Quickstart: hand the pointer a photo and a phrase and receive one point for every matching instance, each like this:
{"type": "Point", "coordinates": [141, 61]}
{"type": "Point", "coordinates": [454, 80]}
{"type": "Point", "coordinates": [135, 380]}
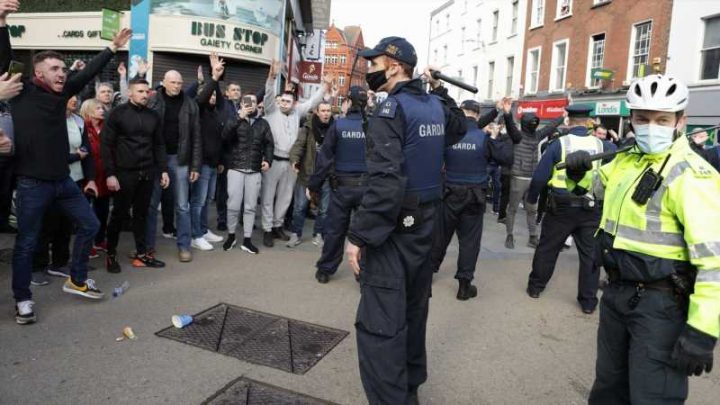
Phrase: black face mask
{"type": "Point", "coordinates": [375, 80]}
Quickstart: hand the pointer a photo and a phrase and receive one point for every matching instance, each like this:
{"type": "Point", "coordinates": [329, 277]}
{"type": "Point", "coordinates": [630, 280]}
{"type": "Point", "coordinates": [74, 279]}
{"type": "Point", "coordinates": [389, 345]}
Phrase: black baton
{"type": "Point", "coordinates": [439, 76]}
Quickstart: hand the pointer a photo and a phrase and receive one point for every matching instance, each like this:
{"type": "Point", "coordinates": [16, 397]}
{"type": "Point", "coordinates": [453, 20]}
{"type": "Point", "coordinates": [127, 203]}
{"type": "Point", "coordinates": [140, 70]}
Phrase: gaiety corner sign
{"type": "Point", "coordinates": [228, 38]}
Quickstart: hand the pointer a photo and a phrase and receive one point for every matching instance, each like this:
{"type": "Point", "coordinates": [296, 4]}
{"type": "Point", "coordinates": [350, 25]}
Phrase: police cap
{"type": "Point", "coordinates": [471, 105]}
{"type": "Point", "coordinates": [579, 110]}
{"type": "Point", "coordinates": [395, 47]}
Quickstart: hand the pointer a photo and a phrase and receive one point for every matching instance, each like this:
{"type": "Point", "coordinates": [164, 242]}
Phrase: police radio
{"type": "Point", "coordinates": [649, 183]}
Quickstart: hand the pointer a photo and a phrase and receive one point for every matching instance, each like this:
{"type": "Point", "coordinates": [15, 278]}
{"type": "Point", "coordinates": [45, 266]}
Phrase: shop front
{"type": "Point", "coordinates": [547, 110]}
{"type": "Point", "coordinates": [613, 114]}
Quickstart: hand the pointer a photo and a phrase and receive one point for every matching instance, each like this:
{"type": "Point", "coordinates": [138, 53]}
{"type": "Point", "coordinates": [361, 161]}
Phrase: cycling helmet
{"type": "Point", "coordinates": [658, 93]}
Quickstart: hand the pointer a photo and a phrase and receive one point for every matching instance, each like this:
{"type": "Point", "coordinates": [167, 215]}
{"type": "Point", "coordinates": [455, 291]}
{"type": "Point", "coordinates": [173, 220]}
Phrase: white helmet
{"type": "Point", "coordinates": [658, 93]}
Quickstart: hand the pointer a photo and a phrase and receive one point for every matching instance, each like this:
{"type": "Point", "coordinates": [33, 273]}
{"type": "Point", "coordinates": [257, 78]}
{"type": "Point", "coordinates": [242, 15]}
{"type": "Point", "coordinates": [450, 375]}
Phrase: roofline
{"type": "Point", "coordinates": [441, 8]}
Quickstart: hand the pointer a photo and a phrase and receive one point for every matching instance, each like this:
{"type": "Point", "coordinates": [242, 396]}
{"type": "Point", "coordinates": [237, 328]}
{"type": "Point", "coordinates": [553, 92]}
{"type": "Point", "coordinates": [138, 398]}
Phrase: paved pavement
{"type": "Point", "coordinates": [500, 348]}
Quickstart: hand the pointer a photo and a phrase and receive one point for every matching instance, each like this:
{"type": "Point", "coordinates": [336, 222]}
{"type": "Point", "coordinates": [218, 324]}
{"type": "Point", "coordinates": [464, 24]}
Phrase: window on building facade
{"type": "Point", "coordinates": [514, 22]}
{"type": "Point", "coordinates": [334, 59]}
{"type": "Point", "coordinates": [641, 49]}
{"type": "Point", "coordinates": [462, 39]}
{"type": "Point", "coordinates": [491, 80]}
{"type": "Point", "coordinates": [445, 53]}
{"type": "Point", "coordinates": [559, 65]}
{"type": "Point", "coordinates": [343, 60]}
{"type": "Point", "coordinates": [509, 75]}
{"type": "Point", "coordinates": [564, 8]}
{"type": "Point", "coordinates": [533, 70]}
{"type": "Point", "coordinates": [447, 21]}
{"type": "Point", "coordinates": [437, 26]}
{"type": "Point", "coordinates": [596, 2]}
{"type": "Point", "coordinates": [496, 19]}
{"type": "Point", "coordinates": [435, 56]}
{"type": "Point", "coordinates": [341, 80]}
{"type": "Point", "coordinates": [537, 13]}
{"type": "Point", "coordinates": [327, 59]}
{"type": "Point", "coordinates": [711, 50]}
{"type": "Point", "coordinates": [340, 100]}
{"type": "Point", "coordinates": [478, 34]}
{"type": "Point", "coordinates": [597, 56]}
{"type": "Point", "coordinates": [475, 75]}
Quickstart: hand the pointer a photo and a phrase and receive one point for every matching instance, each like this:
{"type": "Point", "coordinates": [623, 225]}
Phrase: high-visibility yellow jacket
{"type": "Point", "coordinates": [573, 143]}
{"type": "Point", "coordinates": [681, 221]}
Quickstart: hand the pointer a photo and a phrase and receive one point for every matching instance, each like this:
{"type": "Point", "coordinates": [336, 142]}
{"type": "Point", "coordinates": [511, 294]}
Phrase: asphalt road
{"type": "Point", "coordinates": [500, 348]}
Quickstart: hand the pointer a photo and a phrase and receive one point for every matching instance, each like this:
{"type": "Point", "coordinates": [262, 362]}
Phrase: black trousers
{"type": "Point", "coordinates": [556, 227]}
{"type": "Point", "coordinates": [461, 211]}
{"type": "Point", "coordinates": [392, 314]}
{"type": "Point", "coordinates": [505, 178]}
{"type": "Point", "coordinates": [136, 188]}
{"type": "Point", "coordinates": [56, 232]}
{"type": "Point", "coordinates": [633, 349]}
{"type": "Point", "coordinates": [101, 206]}
{"type": "Point", "coordinates": [343, 201]}
{"type": "Point", "coordinates": [221, 197]}
{"type": "Point", "coordinates": [167, 205]}
{"type": "Point", "coordinates": [6, 190]}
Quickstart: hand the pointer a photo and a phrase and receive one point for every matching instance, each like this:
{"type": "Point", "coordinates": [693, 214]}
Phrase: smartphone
{"type": "Point", "coordinates": [16, 67]}
{"type": "Point", "coordinates": [247, 101]}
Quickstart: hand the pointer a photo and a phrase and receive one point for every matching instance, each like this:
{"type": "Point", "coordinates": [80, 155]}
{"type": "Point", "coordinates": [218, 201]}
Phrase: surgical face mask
{"type": "Point", "coordinates": [375, 80]}
{"type": "Point", "coordinates": [653, 138]}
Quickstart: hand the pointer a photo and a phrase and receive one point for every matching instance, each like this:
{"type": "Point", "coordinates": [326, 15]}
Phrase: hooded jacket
{"type": "Point", "coordinates": [526, 140]}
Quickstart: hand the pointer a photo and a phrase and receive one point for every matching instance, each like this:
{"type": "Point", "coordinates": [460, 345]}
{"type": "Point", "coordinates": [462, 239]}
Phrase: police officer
{"type": "Point", "coordinates": [463, 205]}
{"type": "Point", "coordinates": [342, 158]}
{"type": "Point", "coordinates": [406, 137]}
{"type": "Point", "coordinates": [659, 317]}
{"type": "Point", "coordinates": [572, 210]}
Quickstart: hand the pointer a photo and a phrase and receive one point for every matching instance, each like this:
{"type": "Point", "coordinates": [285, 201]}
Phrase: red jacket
{"type": "Point", "coordinates": [94, 138]}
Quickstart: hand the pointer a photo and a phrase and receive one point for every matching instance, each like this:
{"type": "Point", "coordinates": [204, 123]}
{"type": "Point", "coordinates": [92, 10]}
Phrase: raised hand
{"type": "Point", "coordinates": [217, 65]}
{"type": "Point", "coordinates": [10, 86]}
{"type": "Point", "coordinates": [200, 75]}
{"type": "Point", "coordinates": [121, 38]}
{"type": "Point", "coordinates": [8, 6]}
{"type": "Point", "coordinates": [77, 65]}
{"type": "Point", "coordinates": [122, 71]}
{"type": "Point", "coordinates": [143, 68]}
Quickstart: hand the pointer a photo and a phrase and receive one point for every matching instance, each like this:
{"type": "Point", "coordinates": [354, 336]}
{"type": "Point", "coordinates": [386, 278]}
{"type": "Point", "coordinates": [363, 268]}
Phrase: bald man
{"type": "Point", "coordinates": [181, 130]}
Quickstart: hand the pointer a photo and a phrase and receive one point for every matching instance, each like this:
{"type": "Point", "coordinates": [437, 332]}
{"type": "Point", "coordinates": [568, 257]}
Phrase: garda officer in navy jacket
{"type": "Point", "coordinates": [406, 138]}
{"type": "Point", "coordinates": [342, 158]}
{"type": "Point", "coordinates": [463, 206]}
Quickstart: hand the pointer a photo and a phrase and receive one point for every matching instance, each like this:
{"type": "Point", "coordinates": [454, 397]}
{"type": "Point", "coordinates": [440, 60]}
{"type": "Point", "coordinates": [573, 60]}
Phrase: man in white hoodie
{"type": "Point", "coordinates": [279, 181]}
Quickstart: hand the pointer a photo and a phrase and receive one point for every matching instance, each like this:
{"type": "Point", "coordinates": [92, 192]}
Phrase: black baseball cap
{"type": "Point", "coordinates": [395, 47]}
{"type": "Point", "coordinates": [357, 94]}
{"type": "Point", "coordinates": [579, 110]}
{"type": "Point", "coordinates": [470, 105]}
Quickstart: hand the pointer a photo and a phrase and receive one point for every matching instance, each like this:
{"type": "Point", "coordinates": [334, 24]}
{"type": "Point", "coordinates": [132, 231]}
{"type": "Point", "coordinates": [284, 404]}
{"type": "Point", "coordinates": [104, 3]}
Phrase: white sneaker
{"type": "Point", "coordinates": [211, 237]}
{"type": "Point", "coordinates": [294, 240]}
{"type": "Point", "coordinates": [318, 240]}
{"type": "Point", "coordinates": [569, 242]}
{"type": "Point", "coordinates": [24, 312]}
{"type": "Point", "coordinates": [202, 244]}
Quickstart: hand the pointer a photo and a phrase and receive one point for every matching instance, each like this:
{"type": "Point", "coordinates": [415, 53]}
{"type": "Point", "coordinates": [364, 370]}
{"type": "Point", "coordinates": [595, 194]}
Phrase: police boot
{"type": "Point", "coordinates": [533, 241]}
{"type": "Point", "coordinates": [466, 290]}
{"type": "Point", "coordinates": [509, 242]}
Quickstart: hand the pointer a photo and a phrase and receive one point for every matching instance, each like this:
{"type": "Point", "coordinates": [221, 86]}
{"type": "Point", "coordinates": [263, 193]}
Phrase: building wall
{"type": "Point", "coordinates": [615, 18]}
{"type": "Point", "coordinates": [469, 51]}
{"type": "Point", "coordinates": [338, 69]}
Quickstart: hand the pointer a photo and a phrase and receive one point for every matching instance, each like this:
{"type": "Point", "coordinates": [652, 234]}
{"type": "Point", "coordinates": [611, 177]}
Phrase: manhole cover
{"type": "Point", "coordinates": [259, 338]}
{"type": "Point", "coordinates": [245, 391]}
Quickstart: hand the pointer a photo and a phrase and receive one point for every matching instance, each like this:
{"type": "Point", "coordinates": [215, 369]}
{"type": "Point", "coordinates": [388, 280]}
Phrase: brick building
{"type": "Point", "coordinates": [341, 49]}
{"type": "Point", "coordinates": [566, 39]}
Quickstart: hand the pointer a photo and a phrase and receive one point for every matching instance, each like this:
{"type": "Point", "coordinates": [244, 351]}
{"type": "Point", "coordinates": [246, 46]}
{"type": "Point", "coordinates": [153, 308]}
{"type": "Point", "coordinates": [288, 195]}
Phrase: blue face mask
{"type": "Point", "coordinates": [653, 138]}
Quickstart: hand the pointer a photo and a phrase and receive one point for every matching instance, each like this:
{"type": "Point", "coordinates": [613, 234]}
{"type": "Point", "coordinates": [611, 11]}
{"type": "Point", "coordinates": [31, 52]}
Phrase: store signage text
{"type": "Point", "coordinates": [80, 34]}
{"type": "Point", "coordinates": [220, 36]}
{"type": "Point", "coordinates": [16, 31]}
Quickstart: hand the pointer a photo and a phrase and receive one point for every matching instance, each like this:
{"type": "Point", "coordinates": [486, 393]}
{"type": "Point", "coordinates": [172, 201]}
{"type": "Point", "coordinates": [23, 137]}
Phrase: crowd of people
{"type": "Point", "coordinates": [95, 162]}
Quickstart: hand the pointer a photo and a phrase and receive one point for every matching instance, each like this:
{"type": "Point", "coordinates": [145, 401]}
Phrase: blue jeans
{"type": "Point", "coordinates": [494, 174]}
{"type": "Point", "coordinates": [200, 197]}
{"type": "Point", "coordinates": [300, 206]}
{"type": "Point", "coordinates": [180, 184]}
{"type": "Point", "coordinates": [34, 197]}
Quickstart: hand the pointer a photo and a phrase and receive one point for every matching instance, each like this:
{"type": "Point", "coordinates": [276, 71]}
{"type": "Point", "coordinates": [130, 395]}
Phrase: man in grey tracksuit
{"type": "Point", "coordinates": [279, 181]}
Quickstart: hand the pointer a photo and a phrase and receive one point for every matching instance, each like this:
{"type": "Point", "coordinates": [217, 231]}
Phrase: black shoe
{"type": "Point", "coordinates": [230, 242]}
{"type": "Point", "coordinates": [322, 277]}
{"type": "Point", "coordinates": [533, 241]}
{"type": "Point", "coordinates": [466, 290]}
{"type": "Point", "coordinates": [509, 242]}
{"type": "Point", "coordinates": [222, 227]}
{"type": "Point", "coordinates": [501, 220]}
{"type": "Point", "coordinates": [532, 293]}
{"type": "Point", "coordinates": [249, 247]}
{"type": "Point", "coordinates": [412, 398]}
{"type": "Point", "coordinates": [147, 260]}
{"type": "Point", "coordinates": [278, 233]}
{"type": "Point", "coordinates": [111, 264]}
{"type": "Point", "coordinates": [6, 228]}
{"type": "Point", "coordinates": [268, 239]}
{"type": "Point", "coordinates": [588, 311]}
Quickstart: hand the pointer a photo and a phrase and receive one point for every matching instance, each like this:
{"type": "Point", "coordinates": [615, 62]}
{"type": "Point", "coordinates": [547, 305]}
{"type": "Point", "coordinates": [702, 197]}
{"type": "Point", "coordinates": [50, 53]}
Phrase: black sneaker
{"type": "Point", "coordinates": [268, 239]}
{"type": "Point", "coordinates": [322, 277]}
{"type": "Point", "coordinates": [230, 242]}
{"type": "Point", "coordinates": [249, 247]}
{"type": "Point", "coordinates": [222, 227]}
{"type": "Point", "coordinates": [533, 241]}
{"type": "Point", "coordinates": [147, 260]}
{"type": "Point", "coordinates": [509, 242]}
{"type": "Point", "coordinates": [278, 233]}
{"type": "Point", "coordinates": [112, 265]}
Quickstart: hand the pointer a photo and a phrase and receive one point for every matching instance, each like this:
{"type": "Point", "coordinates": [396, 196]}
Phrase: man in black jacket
{"type": "Point", "coordinates": [249, 144]}
{"type": "Point", "coordinates": [43, 175]}
{"type": "Point", "coordinates": [133, 151]}
{"type": "Point", "coordinates": [180, 122]}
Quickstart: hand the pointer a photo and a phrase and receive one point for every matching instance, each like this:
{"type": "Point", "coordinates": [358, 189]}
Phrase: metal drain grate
{"type": "Point", "coordinates": [259, 338]}
{"type": "Point", "coordinates": [244, 391]}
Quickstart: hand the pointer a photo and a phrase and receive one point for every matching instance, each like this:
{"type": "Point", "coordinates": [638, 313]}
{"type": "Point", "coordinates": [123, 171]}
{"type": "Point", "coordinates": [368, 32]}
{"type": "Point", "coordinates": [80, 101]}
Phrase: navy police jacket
{"type": "Point", "coordinates": [406, 137]}
{"type": "Point", "coordinates": [466, 162]}
{"type": "Point", "coordinates": [343, 149]}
